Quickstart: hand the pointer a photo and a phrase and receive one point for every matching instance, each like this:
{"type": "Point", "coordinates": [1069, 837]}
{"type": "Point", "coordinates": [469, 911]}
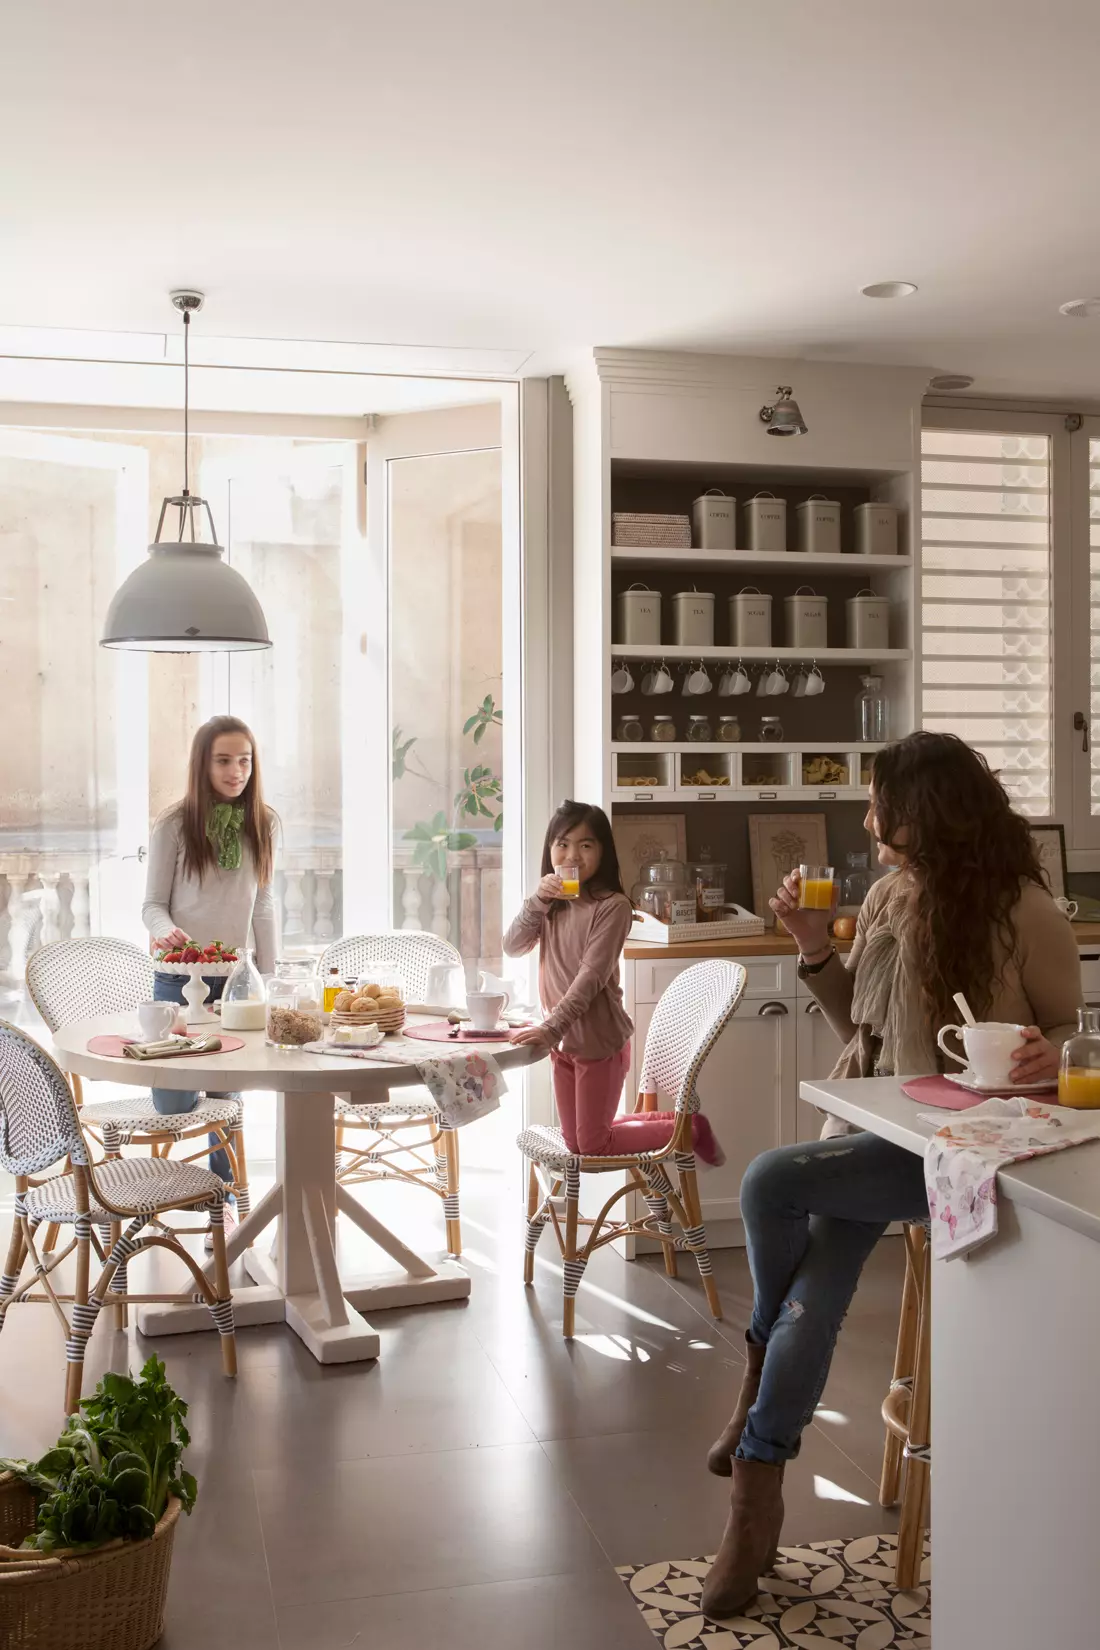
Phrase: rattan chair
{"type": "Point", "coordinates": [75, 979]}
{"type": "Point", "coordinates": [404, 1138]}
{"type": "Point", "coordinates": [39, 1128]}
{"type": "Point", "coordinates": [906, 1410]}
{"type": "Point", "coordinates": [685, 1026]}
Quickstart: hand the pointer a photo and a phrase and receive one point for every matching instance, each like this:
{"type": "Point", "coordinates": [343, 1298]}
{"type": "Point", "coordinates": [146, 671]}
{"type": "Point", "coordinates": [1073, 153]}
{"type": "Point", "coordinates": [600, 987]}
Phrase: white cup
{"type": "Point", "coordinates": [662, 681]}
{"type": "Point", "coordinates": [621, 679]}
{"type": "Point", "coordinates": [697, 682]}
{"type": "Point", "coordinates": [815, 683]}
{"type": "Point", "coordinates": [989, 1048]}
{"type": "Point", "coordinates": [1068, 907]}
{"type": "Point", "coordinates": [775, 682]}
{"type": "Point", "coordinates": [485, 1008]}
{"type": "Point", "coordinates": [740, 682]}
{"type": "Point", "coordinates": [156, 1020]}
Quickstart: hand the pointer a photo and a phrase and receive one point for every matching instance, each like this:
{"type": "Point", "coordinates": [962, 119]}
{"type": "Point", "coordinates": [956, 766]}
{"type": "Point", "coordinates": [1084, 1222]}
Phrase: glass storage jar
{"type": "Point", "coordinates": [871, 710]}
{"type": "Point", "coordinates": [729, 730]}
{"type": "Point", "coordinates": [857, 882]}
{"type": "Point", "coordinates": [293, 1012]}
{"type": "Point", "coordinates": [243, 1005]}
{"type": "Point", "coordinates": [771, 730]}
{"type": "Point", "coordinates": [700, 731]}
{"type": "Point", "coordinates": [629, 729]}
{"type": "Point", "coordinates": [665, 891]}
{"type": "Point", "coordinates": [662, 730]}
{"type": "Point", "coordinates": [1079, 1076]}
{"type": "Point", "coordinates": [710, 887]}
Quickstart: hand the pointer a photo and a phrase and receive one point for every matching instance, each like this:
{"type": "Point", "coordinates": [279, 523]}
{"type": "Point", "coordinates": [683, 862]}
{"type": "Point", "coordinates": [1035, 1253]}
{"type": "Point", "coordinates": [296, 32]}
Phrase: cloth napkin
{"type": "Point", "coordinates": [962, 1158]}
{"type": "Point", "coordinates": [171, 1046]}
{"type": "Point", "coordinates": [464, 1086]}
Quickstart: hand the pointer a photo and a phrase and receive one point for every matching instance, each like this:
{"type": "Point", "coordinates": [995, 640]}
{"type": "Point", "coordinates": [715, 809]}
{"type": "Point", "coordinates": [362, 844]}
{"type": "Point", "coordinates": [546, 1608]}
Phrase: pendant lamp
{"type": "Point", "coordinates": [184, 598]}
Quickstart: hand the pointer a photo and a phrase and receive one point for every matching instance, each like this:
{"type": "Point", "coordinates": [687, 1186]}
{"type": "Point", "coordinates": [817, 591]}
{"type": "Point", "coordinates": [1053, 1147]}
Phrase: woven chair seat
{"type": "Point", "coordinates": [546, 1146]}
{"type": "Point", "coordinates": [425, 1108]}
{"type": "Point", "coordinates": [138, 1116]}
{"type": "Point", "coordinates": [143, 1184]}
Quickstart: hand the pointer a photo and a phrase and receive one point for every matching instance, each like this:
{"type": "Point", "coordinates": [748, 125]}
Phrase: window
{"type": "Point", "coordinates": [986, 603]}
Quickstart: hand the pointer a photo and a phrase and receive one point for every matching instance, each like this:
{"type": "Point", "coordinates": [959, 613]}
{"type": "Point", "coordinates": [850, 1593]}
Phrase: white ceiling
{"type": "Point", "coordinates": [532, 178]}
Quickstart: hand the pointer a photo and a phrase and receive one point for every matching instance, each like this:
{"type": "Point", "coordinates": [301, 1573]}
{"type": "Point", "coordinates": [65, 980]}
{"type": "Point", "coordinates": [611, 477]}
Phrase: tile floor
{"type": "Point", "coordinates": [479, 1482]}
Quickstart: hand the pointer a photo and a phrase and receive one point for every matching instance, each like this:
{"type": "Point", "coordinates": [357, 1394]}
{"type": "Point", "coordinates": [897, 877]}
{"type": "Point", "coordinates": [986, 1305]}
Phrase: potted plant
{"type": "Point", "coordinates": [88, 1528]}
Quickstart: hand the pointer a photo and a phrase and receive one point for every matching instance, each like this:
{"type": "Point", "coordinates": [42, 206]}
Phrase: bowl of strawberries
{"type": "Point", "coordinates": [214, 961]}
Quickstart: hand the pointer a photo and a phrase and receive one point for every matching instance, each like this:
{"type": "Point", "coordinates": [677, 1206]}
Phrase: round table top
{"type": "Point", "coordinates": [258, 1066]}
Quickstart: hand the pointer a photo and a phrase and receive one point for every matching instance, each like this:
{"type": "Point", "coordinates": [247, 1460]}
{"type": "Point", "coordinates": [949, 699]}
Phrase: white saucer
{"type": "Point", "coordinates": [967, 1080]}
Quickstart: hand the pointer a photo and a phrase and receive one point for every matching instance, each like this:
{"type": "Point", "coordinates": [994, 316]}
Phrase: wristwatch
{"type": "Point", "coordinates": [805, 968]}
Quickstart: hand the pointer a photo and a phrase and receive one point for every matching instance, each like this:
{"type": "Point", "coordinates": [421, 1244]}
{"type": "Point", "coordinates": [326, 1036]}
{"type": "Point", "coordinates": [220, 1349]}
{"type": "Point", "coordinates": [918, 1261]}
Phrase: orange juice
{"type": "Point", "coordinates": [816, 894]}
{"type": "Point", "coordinates": [570, 881]}
{"type": "Point", "coordinates": [1079, 1086]}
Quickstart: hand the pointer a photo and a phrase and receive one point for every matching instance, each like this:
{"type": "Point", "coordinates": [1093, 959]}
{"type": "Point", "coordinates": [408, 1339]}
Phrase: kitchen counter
{"type": "Point", "coordinates": [1015, 1374]}
{"type": "Point", "coordinates": [778, 945]}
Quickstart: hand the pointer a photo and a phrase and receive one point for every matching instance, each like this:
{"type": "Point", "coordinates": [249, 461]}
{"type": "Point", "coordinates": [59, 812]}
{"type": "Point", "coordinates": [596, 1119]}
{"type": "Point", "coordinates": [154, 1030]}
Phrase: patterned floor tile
{"type": "Point", "coordinates": [829, 1593]}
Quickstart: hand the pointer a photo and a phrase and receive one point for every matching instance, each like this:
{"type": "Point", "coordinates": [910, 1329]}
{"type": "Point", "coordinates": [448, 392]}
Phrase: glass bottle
{"type": "Point", "coordinates": [243, 997]}
{"type": "Point", "coordinates": [871, 710]}
{"type": "Point", "coordinates": [333, 987]}
{"type": "Point", "coordinates": [1079, 1077]}
{"type": "Point", "coordinates": [857, 883]}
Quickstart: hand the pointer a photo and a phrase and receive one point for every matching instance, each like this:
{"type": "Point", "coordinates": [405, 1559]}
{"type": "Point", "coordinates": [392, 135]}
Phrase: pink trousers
{"type": "Point", "coordinates": [588, 1094]}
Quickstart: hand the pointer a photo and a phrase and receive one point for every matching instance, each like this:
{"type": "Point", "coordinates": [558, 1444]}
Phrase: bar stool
{"type": "Point", "coordinates": [906, 1410]}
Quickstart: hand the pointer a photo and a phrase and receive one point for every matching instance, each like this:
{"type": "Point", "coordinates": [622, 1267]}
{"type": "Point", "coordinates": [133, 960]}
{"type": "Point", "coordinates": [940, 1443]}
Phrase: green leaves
{"type": "Point", "coordinates": [485, 716]}
{"type": "Point", "coordinates": [434, 841]}
{"type": "Point", "coordinates": [478, 798]}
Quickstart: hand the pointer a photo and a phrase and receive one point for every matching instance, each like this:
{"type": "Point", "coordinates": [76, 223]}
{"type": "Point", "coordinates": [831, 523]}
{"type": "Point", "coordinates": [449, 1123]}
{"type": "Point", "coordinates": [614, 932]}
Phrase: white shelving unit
{"type": "Point", "coordinates": [732, 561]}
{"type": "Point", "coordinates": [854, 657]}
{"type": "Point", "coordinates": [741, 767]}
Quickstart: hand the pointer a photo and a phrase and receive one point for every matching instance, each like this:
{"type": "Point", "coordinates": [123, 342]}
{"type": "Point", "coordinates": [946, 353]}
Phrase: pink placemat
{"type": "Point", "coordinates": [114, 1047]}
{"type": "Point", "coordinates": [440, 1031]}
{"type": "Point", "coordinates": [937, 1091]}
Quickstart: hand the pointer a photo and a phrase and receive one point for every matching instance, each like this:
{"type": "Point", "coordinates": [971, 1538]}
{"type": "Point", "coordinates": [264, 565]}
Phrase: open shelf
{"type": "Point", "coordinates": [784, 561]}
{"type": "Point", "coordinates": [853, 656]}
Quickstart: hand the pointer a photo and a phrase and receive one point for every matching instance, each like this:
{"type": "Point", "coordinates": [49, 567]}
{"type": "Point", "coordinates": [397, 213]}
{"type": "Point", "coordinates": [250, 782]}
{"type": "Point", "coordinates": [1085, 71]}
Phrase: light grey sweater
{"type": "Point", "coordinates": [225, 905]}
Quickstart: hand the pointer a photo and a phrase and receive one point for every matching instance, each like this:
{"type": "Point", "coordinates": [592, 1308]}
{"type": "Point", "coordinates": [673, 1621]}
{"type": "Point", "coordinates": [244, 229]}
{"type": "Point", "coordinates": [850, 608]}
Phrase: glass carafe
{"type": "Point", "coordinates": [1079, 1077]}
{"type": "Point", "coordinates": [243, 1007]}
{"type": "Point", "coordinates": [871, 710]}
{"type": "Point", "coordinates": [857, 882]}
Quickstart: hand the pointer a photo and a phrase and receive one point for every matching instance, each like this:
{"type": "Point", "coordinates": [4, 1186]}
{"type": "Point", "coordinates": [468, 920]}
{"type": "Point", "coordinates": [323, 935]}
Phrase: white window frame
{"type": "Point", "coordinates": [1069, 599]}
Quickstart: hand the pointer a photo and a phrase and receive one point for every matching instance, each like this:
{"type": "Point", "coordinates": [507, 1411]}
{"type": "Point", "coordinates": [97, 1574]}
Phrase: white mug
{"type": "Point", "coordinates": [697, 681]}
{"type": "Point", "coordinates": [989, 1048]}
{"type": "Point", "coordinates": [485, 1008]}
{"type": "Point", "coordinates": [662, 681]}
{"type": "Point", "coordinates": [156, 1020]}
{"type": "Point", "coordinates": [621, 679]}
{"type": "Point", "coordinates": [815, 683]}
{"type": "Point", "coordinates": [775, 682]}
{"type": "Point", "coordinates": [1068, 907]}
{"type": "Point", "coordinates": [741, 682]}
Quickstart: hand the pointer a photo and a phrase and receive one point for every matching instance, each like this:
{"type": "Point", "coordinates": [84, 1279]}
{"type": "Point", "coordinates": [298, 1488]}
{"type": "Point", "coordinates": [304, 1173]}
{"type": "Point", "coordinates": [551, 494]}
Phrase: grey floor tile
{"type": "Point", "coordinates": [398, 1523]}
{"type": "Point", "coordinates": [587, 1610]}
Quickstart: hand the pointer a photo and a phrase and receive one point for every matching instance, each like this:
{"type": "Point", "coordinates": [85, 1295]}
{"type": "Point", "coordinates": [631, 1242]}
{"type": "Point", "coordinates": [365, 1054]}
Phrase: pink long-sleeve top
{"type": "Point", "coordinates": [580, 942]}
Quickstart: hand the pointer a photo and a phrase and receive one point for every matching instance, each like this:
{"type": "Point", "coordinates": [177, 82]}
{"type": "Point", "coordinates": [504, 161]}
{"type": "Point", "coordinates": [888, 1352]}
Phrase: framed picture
{"type": "Point", "coordinates": [642, 837]}
{"type": "Point", "coordinates": [1051, 843]}
{"type": "Point", "coordinates": [777, 843]}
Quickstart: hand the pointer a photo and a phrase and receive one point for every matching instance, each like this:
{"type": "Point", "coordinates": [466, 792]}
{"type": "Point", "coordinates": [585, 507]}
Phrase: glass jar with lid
{"type": "Point", "coordinates": [729, 728]}
{"type": "Point", "coordinates": [771, 730]}
{"type": "Point", "coordinates": [709, 876]}
{"type": "Point", "coordinates": [1079, 1075]}
{"type": "Point", "coordinates": [871, 710]}
{"type": "Point", "coordinates": [857, 883]}
{"type": "Point", "coordinates": [662, 730]}
{"type": "Point", "coordinates": [665, 890]}
{"type": "Point", "coordinates": [293, 1012]}
{"type": "Point", "coordinates": [700, 731]}
{"type": "Point", "coordinates": [629, 729]}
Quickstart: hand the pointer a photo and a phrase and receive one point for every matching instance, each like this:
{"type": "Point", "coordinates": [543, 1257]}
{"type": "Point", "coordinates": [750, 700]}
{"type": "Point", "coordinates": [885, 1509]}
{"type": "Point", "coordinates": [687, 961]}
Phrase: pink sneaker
{"type": "Point", "coordinates": [706, 1142]}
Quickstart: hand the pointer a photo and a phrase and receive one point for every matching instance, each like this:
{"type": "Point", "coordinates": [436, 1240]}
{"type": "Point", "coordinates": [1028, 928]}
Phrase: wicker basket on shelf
{"type": "Point", "coordinates": [109, 1599]}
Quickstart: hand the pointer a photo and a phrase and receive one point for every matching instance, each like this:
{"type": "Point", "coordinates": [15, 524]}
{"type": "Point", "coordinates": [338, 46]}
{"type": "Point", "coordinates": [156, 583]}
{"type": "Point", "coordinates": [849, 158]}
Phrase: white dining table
{"type": "Point", "coordinates": [301, 1282]}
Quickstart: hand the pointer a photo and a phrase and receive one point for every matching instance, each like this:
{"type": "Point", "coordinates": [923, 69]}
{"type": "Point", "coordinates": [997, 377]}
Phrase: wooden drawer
{"type": "Point", "coordinates": [767, 977]}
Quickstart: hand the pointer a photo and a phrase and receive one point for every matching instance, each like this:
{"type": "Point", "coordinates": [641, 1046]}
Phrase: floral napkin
{"type": "Point", "coordinates": [463, 1086]}
{"type": "Point", "coordinates": [962, 1158]}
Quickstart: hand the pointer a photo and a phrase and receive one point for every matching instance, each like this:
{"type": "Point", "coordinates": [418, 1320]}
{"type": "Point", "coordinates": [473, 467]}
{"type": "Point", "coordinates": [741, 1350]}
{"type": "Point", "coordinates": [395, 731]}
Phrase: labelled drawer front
{"type": "Point", "coordinates": [766, 977]}
{"type": "Point", "coordinates": [1090, 973]}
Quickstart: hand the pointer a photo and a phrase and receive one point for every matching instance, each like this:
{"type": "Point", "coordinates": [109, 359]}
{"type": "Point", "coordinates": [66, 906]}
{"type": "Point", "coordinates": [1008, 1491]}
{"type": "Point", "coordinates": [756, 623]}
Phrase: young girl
{"type": "Point", "coordinates": [586, 1028]}
{"type": "Point", "coordinates": [211, 861]}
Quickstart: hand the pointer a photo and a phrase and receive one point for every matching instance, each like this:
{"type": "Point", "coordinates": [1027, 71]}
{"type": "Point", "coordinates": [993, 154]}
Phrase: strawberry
{"type": "Point", "coordinates": [172, 956]}
{"type": "Point", "coordinates": [191, 955]}
{"type": "Point", "coordinates": [210, 954]}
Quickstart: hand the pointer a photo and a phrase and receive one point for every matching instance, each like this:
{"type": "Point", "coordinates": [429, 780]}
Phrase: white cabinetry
{"type": "Point", "coordinates": [817, 1048]}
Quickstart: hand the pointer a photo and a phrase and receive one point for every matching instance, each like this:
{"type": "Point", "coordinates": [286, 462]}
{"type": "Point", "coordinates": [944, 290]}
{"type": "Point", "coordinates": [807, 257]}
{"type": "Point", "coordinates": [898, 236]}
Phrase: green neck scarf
{"type": "Point", "coordinates": [223, 829]}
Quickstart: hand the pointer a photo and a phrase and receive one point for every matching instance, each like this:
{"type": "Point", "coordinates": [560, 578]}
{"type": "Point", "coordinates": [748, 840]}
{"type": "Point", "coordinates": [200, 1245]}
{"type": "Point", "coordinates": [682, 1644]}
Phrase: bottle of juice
{"type": "Point", "coordinates": [1079, 1077]}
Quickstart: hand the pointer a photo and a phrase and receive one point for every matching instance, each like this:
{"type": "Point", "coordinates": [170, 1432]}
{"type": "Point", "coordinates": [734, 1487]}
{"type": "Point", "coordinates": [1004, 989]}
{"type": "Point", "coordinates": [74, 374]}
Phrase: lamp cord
{"type": "Point", "coordinates": [186, 403]}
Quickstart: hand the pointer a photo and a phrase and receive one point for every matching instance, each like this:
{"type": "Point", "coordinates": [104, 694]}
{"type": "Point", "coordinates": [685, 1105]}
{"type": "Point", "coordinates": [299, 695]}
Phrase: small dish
{"type": "Point", "coordinates": [967, 1080]}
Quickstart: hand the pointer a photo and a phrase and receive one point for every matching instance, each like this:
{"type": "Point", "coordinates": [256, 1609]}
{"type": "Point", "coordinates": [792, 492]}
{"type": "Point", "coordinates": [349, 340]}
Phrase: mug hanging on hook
{"type": "Point", "coordinates": [815, 682]}
{"type": "Point", "coordinates": [621, 679]}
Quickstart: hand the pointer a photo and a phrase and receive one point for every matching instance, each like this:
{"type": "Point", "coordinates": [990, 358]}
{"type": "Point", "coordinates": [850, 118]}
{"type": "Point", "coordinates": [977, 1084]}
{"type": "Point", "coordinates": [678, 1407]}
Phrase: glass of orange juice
{"type": "Point", "coordinates": [570, 881]}
{"type": "Point", "coordinates": [815, 891]}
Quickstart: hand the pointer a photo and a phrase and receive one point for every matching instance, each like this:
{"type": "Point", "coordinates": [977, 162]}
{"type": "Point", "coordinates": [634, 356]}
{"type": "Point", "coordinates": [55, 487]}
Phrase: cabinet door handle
{"type": "Point", "coordinates": [814, 1008]}
{"type": "Point", "coordinates": [771, 1010]}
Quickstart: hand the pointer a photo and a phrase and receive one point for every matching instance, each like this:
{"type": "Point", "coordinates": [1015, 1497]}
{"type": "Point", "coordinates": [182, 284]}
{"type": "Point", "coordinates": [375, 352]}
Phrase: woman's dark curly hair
{"type": "Point", "coordinates": [969, 856]}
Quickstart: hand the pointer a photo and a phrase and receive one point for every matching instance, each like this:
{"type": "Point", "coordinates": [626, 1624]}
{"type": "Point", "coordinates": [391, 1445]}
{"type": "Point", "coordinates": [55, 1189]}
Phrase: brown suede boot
{"type": "Point", "coordinates": [750, 1540]}
{"type": "Point", "coordinates": [719, 1455]}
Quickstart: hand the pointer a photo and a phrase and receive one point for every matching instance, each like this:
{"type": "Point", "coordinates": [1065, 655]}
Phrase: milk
{"type": "Point", "coordinates": [248, 1015]}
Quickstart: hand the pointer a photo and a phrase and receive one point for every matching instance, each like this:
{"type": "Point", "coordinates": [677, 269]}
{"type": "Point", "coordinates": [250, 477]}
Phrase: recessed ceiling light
{"type": "Point", "coordinates": [950, 381]}
{"type": "Point", "coordinates": [888, 289]}
{"type": "Point", "coordinates": [1081, 309]}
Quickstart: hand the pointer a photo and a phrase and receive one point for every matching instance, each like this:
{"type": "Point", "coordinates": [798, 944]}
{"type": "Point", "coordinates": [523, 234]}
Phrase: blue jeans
{"type": "Point", "coordinates": [168, 988]}
{"type": "Point", "coordinates": [812, 1215]}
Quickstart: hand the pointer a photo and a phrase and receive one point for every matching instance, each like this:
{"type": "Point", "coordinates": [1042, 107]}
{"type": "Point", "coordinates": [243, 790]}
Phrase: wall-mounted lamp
{"type": "Point", "coordinates": [785, 417]}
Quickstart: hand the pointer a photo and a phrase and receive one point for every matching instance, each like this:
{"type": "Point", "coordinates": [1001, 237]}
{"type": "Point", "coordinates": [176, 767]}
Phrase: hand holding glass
{"type": "Point", "coordinates": [570, 881]}
{"type": "Point", "coordinates": [815, 889]}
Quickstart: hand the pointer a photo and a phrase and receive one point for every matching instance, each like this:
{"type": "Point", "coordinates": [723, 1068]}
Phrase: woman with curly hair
{"type": "Point", "coordinates": [965, 909]}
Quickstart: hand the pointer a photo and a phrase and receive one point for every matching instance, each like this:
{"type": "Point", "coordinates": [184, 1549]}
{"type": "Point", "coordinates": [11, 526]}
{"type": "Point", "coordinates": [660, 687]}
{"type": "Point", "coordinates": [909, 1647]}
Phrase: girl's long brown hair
{"type": "Point", "coordinates": [199, 853]}
{"type": "Point", "coordinates": [969, 856]}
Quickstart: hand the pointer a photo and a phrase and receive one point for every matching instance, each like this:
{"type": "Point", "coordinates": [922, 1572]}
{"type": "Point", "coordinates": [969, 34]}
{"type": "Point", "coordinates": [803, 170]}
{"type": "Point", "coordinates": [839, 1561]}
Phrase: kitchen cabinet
{"type": "Point", "coordinates": [817, 1048]}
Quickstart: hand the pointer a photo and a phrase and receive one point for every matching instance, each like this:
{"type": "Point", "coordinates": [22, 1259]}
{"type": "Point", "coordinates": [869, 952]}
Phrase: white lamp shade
{"type": "Point", "coordinates": [184, 599]}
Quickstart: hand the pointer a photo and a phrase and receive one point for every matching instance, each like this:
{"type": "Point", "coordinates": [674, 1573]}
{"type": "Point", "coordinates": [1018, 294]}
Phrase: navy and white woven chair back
{"type": "Point", "coordinates": [686, 1023]}
{"type": "Point", "coordinates": [74, 979]}
{"type": "Point", "coordinates": [38, 1125]}
{"type": "Point", "coordinates": [410, 953]}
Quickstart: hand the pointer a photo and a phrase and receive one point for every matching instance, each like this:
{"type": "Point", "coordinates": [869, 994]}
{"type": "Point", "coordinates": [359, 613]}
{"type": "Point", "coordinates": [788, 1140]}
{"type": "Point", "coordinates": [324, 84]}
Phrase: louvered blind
{"type": "Point", "coordinates": [986, 603]}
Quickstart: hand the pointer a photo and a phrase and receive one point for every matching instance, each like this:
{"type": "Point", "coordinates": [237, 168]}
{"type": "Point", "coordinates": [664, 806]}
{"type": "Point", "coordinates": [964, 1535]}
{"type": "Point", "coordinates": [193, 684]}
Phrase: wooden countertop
{"type": "Point", "coordinates": [775, 945]}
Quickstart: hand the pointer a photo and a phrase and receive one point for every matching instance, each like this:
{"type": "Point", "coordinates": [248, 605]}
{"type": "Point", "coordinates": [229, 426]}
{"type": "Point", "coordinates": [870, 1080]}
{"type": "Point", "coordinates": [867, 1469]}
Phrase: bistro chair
{"type": "Point", "coordinates": [686, 1023]}
{"type": "Point", "coordinates": [906, 1410]}
{"type": "Point", "coordinates": [76, 979]}
{"type": "Point", "coordinates": [404, 1138]}
{"type": "Point", "coordinates": [39, 1127]}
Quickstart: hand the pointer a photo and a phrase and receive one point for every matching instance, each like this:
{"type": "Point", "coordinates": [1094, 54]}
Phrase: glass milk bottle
{"type": "Point", "coordinates": [243, 1006]}
{"type": "Point", "coordinates": [1079, 1077]}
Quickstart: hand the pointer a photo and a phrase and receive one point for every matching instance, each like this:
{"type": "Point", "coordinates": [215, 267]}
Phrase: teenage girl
{"type": "Point", "coordinates": [211, 862]}
{"type": "Point", "coordinates": [586, 1028]}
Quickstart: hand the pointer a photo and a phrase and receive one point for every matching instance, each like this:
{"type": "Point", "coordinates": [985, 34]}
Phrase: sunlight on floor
{"type": "Point", "coordinates": [831, 1417]}
{"type": "Point", "coordinates": [613, 1300]}
{"type": "Point", "coordinates": [826, 1490]}
{"type": "Point", "coordinates": [618, 1347]}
